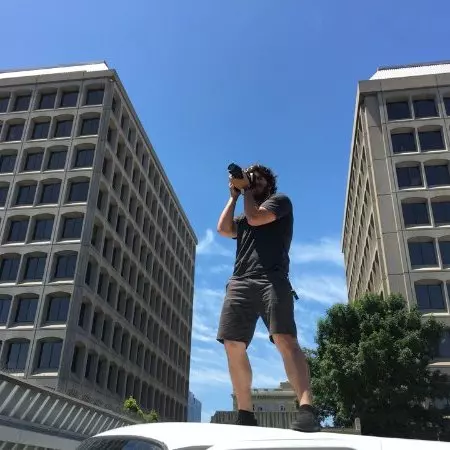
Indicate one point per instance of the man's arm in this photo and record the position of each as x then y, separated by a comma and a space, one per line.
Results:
227, 226
272, 209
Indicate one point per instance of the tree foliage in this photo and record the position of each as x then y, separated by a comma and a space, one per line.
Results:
372, 362
131, 405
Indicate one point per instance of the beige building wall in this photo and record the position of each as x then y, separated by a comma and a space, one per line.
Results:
96, 254
397, 214
272, 399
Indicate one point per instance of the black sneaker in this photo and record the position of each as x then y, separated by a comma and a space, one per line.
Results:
246, 418
307, 420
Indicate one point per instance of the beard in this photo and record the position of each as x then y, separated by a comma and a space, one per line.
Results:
261, 196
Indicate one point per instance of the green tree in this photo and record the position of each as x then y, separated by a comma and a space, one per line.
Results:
372, 362
131, 405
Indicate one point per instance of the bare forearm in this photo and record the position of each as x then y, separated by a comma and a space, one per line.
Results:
225, 226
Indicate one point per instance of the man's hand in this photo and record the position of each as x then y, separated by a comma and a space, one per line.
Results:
240, 183
233, 191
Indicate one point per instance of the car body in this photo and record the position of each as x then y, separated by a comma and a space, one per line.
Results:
201, 436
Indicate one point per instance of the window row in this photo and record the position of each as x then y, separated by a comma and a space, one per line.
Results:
432, 295
38, 159
39, 128
422, 212
139, 281
426, 139
139, 208
24, 229
145, 252
21, 101
23, 309
97, 369
428, 252
32, 267
14, 355
430, 174
143, 320
416, 108
46, 192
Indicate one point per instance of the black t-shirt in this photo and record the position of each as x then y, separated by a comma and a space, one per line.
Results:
264, 249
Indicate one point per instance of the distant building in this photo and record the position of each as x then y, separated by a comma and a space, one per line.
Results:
194, 409
272, 400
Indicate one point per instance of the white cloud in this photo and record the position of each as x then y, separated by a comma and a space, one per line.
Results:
221, 268
209, 246
325, 289
325, 250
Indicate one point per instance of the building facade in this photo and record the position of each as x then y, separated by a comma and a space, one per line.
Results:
96, 254
194, 408
396, 234
281, 399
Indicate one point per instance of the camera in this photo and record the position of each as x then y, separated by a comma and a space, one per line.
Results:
236, 172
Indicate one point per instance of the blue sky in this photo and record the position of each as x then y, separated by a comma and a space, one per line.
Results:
244, 81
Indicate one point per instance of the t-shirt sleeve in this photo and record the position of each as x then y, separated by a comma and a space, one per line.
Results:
279, 204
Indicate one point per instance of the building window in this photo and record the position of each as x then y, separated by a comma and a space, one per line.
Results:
3, 194
431, 140
17, 230
26, 310
7, 163
430, 297
5, 305
57, 160
33, 162
78, 191
422, 254
398, 110
34, 268
63, 128
65, 266
26, 194
4, 102
441, 212
437, 175
444, 344
49, 355
9, 268
47, 101
89, 127
58, 309
94, 96
403, 142
409, 177
72, 227
17, 355
424, 108
22, 102
444, 248
415, 214
15, 132
43, 229
40, 130
85, 157
50, 193
69, 99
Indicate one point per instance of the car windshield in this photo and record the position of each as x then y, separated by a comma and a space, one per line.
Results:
118, 444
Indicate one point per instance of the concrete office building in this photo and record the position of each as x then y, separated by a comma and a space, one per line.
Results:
194, 408
396, 236
96, 254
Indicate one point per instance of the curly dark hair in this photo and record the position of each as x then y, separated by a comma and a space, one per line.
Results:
268, 174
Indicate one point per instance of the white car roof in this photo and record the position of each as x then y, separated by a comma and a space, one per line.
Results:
180, 435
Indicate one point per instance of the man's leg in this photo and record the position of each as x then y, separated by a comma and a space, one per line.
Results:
278, 307
237, 325
296, 366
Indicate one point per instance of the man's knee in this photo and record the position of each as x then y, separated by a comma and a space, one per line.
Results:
286, 343
234, 347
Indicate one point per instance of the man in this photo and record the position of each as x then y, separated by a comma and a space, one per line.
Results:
260, 287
